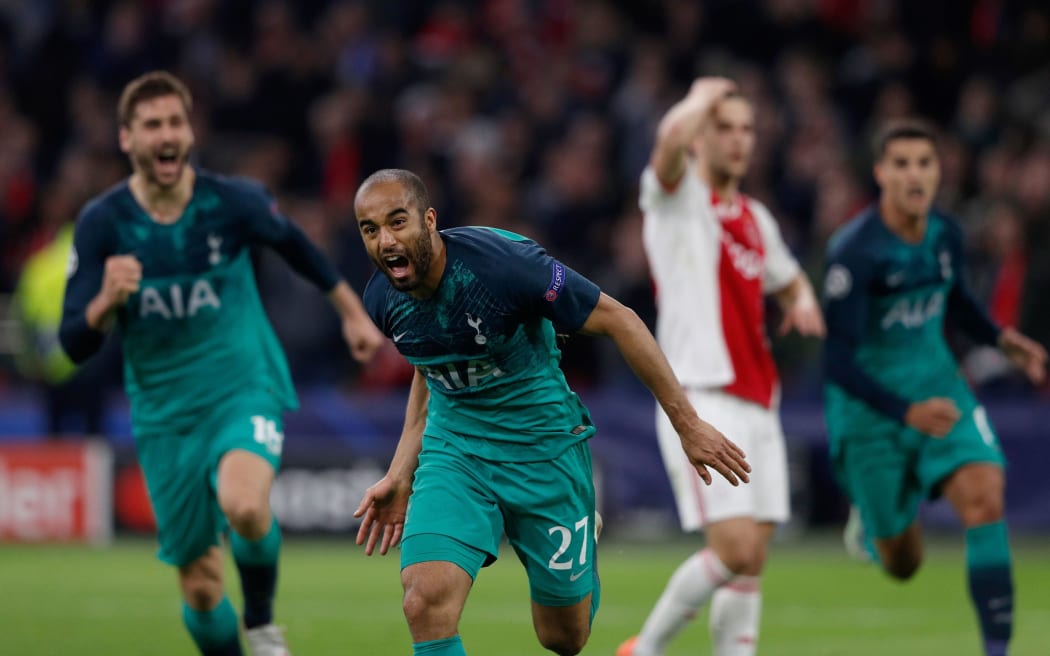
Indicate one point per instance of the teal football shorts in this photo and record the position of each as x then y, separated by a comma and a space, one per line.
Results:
181, 471
888, 469
462, 505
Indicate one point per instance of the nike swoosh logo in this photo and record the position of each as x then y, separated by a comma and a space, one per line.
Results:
397, 338
998, 602
573, 577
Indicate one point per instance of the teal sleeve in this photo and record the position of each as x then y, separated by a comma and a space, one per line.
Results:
845, 313
93, 242
266, 225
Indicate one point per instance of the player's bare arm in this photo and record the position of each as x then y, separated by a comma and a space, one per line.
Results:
679, 127
704, 445
361, 335
801, 308
1025, 353
385, 504
121, 278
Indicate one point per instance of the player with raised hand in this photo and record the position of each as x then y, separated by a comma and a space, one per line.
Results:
715, 253
494, 440
165, 256
903, 424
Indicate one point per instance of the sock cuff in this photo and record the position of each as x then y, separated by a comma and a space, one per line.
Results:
211, 628
205, 615
263, 551
445, 646
988, 545
714, 567
744, 584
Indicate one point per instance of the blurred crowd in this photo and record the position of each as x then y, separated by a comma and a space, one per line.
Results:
538, 116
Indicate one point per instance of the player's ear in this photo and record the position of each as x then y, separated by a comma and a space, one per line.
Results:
124, 136
876, 172
430, 218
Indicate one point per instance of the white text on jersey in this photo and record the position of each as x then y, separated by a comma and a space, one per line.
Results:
173, 306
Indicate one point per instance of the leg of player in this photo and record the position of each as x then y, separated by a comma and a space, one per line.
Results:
564, 630
736, 606
244, 486
435, 592
206, 610
901, 555
976, 493
734, 557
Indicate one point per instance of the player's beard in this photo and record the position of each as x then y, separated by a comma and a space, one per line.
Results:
419, 256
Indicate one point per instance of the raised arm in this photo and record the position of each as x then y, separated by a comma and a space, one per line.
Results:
704, 445
680, 125
385, 504
268, 226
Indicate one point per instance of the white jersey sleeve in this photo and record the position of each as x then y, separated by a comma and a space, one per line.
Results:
781, 267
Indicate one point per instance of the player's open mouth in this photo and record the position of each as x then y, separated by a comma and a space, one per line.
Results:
397, 265
167, 161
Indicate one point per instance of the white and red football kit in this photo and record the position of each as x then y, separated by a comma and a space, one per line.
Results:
712, 263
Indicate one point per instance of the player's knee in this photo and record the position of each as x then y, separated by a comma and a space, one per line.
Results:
982, 509
428, 606
202, 594
745, 556
248, 517
563, 643
201, 587
902, 566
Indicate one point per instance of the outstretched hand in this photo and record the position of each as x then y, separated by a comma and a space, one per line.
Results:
1026, 353
706, 447
383, 508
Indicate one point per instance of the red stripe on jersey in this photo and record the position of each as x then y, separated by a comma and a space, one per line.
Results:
741, 264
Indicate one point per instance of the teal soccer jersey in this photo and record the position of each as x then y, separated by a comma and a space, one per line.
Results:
486, 343
886, 302
196, 332
504, 446
203, 369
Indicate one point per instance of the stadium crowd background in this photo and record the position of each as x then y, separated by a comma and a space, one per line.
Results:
538, 116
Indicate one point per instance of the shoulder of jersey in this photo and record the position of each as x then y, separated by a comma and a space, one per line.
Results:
950, 223
102, 206
756, 206
234, 184
490, 240
856, 230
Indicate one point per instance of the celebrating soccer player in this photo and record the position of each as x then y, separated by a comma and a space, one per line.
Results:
165, 256
903, 424
494, 440
715, 253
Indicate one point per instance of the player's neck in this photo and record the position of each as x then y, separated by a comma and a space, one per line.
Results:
724, 186
909, 227
163, 204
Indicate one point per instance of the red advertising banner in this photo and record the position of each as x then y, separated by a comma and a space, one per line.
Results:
56, 492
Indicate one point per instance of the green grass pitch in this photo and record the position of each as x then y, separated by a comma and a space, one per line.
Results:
57, 600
